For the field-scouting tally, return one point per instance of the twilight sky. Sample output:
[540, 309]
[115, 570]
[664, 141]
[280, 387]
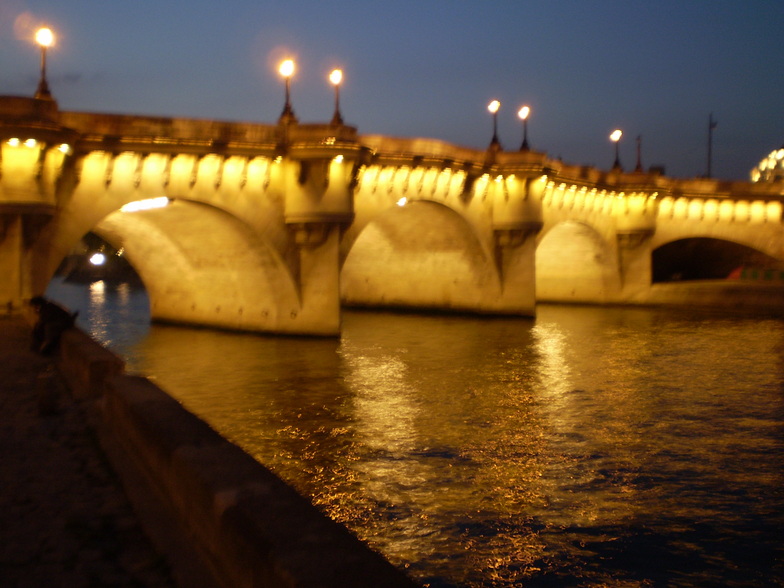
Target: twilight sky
[428, 68]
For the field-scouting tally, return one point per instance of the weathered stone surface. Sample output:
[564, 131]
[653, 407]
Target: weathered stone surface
[85, 365]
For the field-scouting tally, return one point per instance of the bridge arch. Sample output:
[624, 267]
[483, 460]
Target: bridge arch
[575, 263]
[421, 254]
[203, 265]
[707, 258]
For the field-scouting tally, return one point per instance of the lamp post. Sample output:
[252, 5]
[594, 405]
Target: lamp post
[615, 137]
[45, 38]
[638, 167]
[286, 69]
[336, 76]
[711, 125]
[523, 114]
[495, 144]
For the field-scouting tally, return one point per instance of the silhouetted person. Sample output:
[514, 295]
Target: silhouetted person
[52, 321]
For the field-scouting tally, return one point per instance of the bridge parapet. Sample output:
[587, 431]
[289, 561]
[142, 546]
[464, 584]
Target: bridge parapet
[207, 131]
[28, 112]
[34, 146]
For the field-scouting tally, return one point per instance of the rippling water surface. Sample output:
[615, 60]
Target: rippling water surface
[588, 446]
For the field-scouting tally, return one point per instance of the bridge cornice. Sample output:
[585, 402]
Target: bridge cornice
[24, 118]
[172, 146]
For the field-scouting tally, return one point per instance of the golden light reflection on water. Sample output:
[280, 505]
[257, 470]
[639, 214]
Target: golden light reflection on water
[384, 403]
[555, 370]
[580, 449]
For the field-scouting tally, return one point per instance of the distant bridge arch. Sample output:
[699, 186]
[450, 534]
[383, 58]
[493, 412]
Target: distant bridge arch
[706, 258]
[575, 263]
[420, 254]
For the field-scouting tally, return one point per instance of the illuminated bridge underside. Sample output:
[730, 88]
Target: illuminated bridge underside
[610, 246]
[575, 264]
[422, 255]
[201, 265]
[270, 227]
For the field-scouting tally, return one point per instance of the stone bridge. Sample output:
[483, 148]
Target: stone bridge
[272, 228]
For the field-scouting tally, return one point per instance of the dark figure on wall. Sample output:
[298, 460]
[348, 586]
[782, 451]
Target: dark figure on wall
[52, 321]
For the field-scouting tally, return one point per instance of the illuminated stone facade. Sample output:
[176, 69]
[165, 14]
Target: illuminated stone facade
[771, 168]
[271, 227]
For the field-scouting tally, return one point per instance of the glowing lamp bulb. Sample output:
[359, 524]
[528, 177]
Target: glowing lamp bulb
[44, 37]
[494, 106]
[615, 136]
[287, 68]
[524, 112]
[336, 76]
[97, 259]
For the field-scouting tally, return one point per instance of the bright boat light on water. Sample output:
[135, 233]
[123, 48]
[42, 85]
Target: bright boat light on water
[148, 204]
[97, 259]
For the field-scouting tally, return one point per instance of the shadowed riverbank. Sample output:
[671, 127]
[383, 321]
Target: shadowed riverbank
[65, 520]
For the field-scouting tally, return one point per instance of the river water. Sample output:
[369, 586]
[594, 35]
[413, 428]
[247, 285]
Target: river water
[586, 447]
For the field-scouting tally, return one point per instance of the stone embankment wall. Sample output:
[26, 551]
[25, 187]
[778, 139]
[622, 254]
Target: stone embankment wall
[246, 526]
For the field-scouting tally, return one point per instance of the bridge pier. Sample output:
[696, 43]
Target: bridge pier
[516, 260]
[318, 183]
[634, 263]
[635, 225]
[15, 285]
[517, 220]
[319, 277]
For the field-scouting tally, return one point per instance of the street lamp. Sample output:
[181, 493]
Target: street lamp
[523, 114]
[638, 167]
[286, 69]
[45, 38]
[615, 137]
[336, 76]
[495, 144]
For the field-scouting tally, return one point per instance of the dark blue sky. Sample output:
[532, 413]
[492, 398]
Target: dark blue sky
[428, 68]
